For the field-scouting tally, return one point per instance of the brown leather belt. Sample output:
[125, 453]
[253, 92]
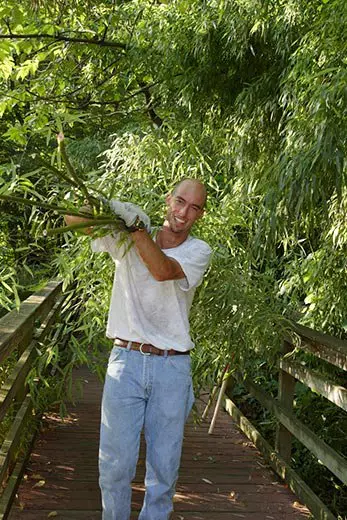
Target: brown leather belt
[147, 348]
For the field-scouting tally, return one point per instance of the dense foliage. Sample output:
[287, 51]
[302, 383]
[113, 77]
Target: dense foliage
[249, 96]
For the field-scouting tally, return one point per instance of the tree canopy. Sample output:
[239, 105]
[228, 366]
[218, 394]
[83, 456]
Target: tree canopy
[249, 96]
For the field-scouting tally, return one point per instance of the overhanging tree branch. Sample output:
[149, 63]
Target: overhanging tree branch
[67, 98]
[60, 37]
[151, 112]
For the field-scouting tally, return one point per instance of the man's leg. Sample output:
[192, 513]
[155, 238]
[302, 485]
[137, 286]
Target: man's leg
[168, 407]
[122, 419]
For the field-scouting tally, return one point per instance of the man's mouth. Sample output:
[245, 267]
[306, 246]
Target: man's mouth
[179, 220]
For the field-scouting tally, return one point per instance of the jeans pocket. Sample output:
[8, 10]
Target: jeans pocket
[116, 354]
[181, 363]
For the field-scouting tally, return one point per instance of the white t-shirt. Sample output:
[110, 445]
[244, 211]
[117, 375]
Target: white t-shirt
[145, 310]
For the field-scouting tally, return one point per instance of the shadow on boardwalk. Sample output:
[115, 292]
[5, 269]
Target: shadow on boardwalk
[222, 475]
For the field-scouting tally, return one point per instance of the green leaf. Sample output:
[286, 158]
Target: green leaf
[6, 67]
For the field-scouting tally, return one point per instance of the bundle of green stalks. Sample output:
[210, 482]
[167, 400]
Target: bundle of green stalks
[97, 215]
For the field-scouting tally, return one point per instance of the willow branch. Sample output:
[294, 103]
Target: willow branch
[71, 170]
[87, 223]
[158, 122]
[68, 97]
[58, 172]
[60, 37]
[43, 205]
[90, 220]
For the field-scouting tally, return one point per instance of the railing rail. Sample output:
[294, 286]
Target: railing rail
[331, 350]
[20, 332]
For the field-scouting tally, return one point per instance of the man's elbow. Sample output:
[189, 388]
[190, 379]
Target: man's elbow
[168, 272]
[162, 276]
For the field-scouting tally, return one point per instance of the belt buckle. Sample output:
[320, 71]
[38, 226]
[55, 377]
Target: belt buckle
[144, 353]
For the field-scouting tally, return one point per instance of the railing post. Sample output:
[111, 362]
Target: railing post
[286, 385]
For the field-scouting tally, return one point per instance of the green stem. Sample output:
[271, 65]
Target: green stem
[65, 177]
[100, 192]
[44, 205]
[71, 170]
[58, 173]
[82, 225]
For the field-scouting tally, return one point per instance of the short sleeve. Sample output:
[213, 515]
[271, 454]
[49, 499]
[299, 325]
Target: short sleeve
[194, 260]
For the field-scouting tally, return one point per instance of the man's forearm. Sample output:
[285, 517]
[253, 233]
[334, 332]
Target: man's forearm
[158, 263]
[70, 220]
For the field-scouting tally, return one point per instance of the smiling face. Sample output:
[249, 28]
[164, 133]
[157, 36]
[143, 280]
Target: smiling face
[185, 206]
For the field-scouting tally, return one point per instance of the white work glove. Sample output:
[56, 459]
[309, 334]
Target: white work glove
[130, 213]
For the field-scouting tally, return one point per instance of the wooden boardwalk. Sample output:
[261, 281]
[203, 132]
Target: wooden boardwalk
[222, 476]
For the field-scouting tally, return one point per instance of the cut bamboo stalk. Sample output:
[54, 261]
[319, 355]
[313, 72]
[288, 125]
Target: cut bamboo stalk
[214, 392]
[220, 397]
[209, 403]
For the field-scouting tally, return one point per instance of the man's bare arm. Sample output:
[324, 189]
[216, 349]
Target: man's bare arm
[160, 266]
[70, 220]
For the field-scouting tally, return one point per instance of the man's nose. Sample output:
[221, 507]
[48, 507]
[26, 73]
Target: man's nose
[183, 210]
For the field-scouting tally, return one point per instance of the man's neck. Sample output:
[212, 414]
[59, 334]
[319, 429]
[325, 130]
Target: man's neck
[166, 239]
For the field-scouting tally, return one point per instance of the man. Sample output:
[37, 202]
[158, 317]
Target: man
[148, 382]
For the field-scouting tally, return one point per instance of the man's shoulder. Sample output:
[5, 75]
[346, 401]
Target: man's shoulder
[195, 249]
[198, 243]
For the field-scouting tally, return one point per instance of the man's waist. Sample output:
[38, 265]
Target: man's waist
[148, 349]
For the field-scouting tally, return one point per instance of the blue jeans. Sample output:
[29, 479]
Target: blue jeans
[151, 392]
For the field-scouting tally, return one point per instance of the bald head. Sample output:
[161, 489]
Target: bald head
[185, 205]
[194, 186]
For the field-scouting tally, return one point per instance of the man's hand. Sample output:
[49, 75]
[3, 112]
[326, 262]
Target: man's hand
[130, 213]
[122, 212]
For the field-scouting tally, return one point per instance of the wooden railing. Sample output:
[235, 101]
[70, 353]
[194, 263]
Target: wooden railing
[329, 349]
[20, 333]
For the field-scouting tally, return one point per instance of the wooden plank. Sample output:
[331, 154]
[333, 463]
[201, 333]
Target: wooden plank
[329, 457]
[60, 498]
[335, 393]
[42, 514]
[16, 325]
[11, 442]
[286, 386]
[296, 484]
[249, 491]
[332, 350]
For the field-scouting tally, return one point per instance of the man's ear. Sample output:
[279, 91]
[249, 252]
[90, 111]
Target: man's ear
[201, 213]
[168, 198]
